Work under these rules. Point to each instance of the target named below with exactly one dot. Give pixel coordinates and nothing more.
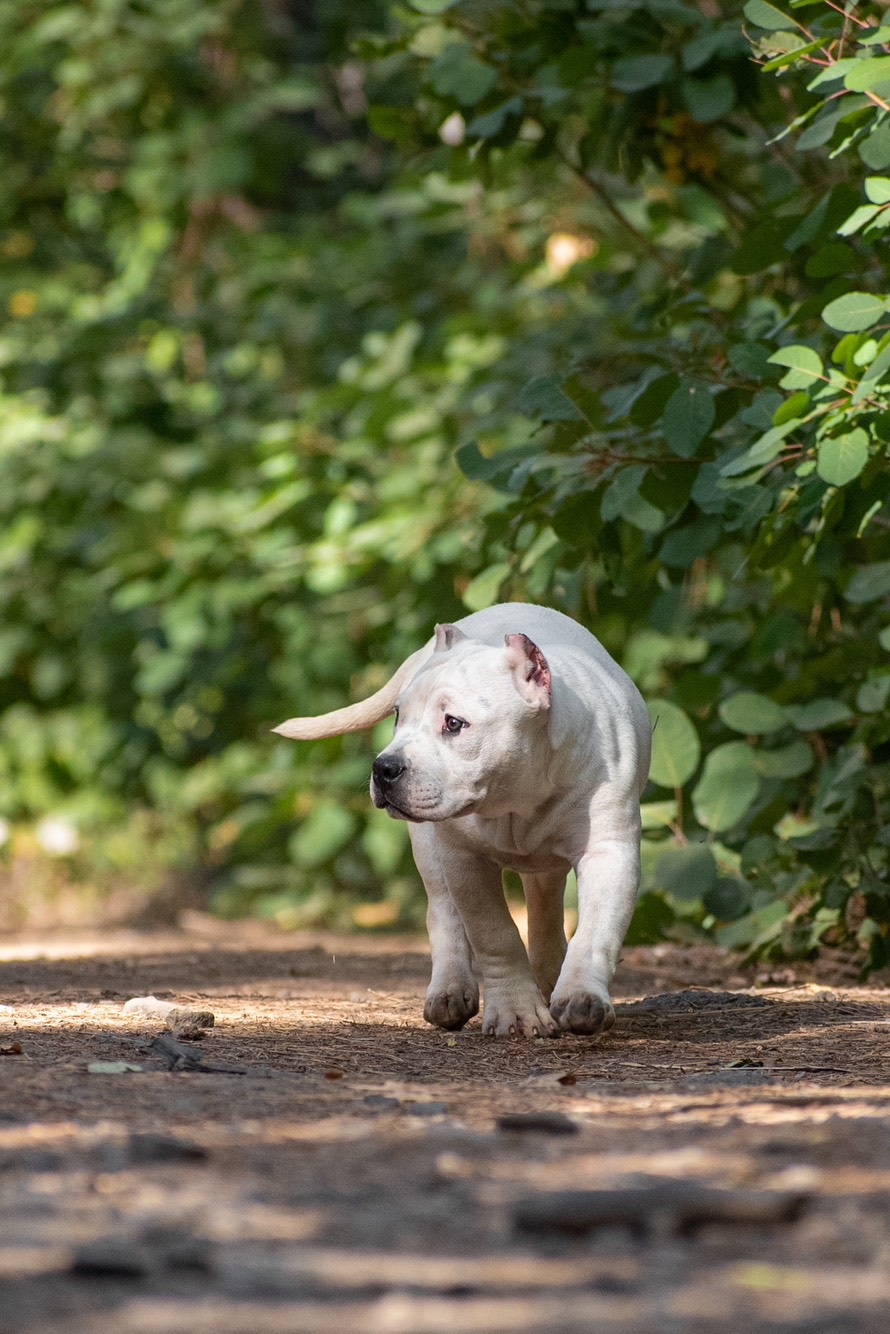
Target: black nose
(387, 768)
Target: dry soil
(320, 1160)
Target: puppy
(519, 742)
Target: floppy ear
(446, 637)
(531, 675)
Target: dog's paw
(583, 1012)
(524, 1016)
(453, 1007)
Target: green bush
(267, 275)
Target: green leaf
(688, 417)
(432, 6)
(625, 484)
(831, 259)
(729, 898)
(708, 100)
(728, 785)
(751, 713)
(484, 589)
(652, 918)
(818, 714)
(495, 470)
(843, 457)
(857, 219)
(658, 814)
(491, 124)
(869, 582)
(763, 246)
(763, 451)
(632, 74)
(390, 123)
(869, 74)
(877, 189)
(646, 410)
(792, 761)
(687, 873)
(622, 498)
(755, 929)
(825, 124)
(639, 512)
(832, 73)
(875, 150)
(871, 697)
(545, 399)
(458, 74)
(766, 16)
(877, 368)
(854, 311)
(676, 749)
(804, 366)
(684, 545)
(327, 829)
(792, 409)
(795, 48)
(749, 359)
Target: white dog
(518, 743)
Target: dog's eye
(454, 725)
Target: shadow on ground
(329, 1163)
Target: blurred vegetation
(268, 269)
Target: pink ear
(446, 637)
(531, 674)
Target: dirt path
(719, 1162)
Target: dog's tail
(356, 717)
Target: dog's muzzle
(385, 773)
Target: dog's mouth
(395, 812)
(384, 802)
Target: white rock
(148, 1005)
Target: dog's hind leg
(546, 927)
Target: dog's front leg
(453, 994)
(608, 880)
(466, 888)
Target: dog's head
(467, 727)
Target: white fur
(545, 775)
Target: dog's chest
(522, 845)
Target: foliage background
(324, 322)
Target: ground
(719, 1161)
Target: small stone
(538, 1123)
(150, 1148)
(110, 1257)
(185, 1021)
(668, 1207)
